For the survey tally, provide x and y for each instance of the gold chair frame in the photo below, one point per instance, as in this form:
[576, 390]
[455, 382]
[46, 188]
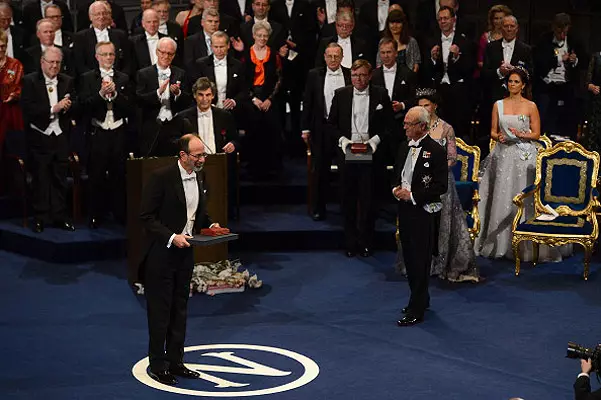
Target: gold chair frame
[586, 241]
[475, 150]
[543, 138]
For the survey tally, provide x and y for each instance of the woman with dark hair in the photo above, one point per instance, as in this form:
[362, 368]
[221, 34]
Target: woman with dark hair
[397, 28]
[455, 259]
[508, 169]
[263, 69]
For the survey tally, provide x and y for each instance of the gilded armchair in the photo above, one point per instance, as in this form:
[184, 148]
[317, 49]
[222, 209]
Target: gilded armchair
[566, 178]
[542, 143]
[465, 172]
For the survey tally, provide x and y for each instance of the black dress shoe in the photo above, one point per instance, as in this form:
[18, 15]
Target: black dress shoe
[366, 252]
[38, 227]
[94, 223]
[318, 216]
[65, 226]
[163, 377]
[410, 320]
[351, 253]
[181, 370]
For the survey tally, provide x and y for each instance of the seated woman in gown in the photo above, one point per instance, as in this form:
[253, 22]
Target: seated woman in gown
[509, 169]
[455, 258]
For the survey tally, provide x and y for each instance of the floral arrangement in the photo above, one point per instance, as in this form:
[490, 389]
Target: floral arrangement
[222, 277]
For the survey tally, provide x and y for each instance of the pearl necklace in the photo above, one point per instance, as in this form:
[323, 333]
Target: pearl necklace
[435, 124]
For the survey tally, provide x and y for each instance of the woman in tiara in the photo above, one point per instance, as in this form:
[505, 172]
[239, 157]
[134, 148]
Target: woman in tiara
[455, 258]
[510, 168]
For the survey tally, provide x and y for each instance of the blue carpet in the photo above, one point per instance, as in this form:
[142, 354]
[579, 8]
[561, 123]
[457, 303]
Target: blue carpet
[75, 331]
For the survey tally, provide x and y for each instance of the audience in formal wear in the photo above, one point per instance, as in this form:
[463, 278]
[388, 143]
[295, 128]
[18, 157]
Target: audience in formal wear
[361, 113]
[408, 52]
[47, 100]
[322, 82]
[116, 18]
[227, 23]
[354, 47]
[241, 10]
[105, 97]
[144, 45]
[494, 31]
[183, 17]
[15, 35]
[45, 37]
[372, 16]
[136, 21]
[166, 26]
[198, 45]
[35, 11]
[62, 38]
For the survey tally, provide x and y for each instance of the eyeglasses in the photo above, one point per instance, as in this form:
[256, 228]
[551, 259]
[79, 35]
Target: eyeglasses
[106, 54]
[52, 62]
[262, 36]
[166, 53]
[333, 56]
[197, 156]
[410, 124]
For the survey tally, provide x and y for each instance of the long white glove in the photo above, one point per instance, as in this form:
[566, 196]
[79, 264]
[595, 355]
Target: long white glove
[344, 143]
[373, 143]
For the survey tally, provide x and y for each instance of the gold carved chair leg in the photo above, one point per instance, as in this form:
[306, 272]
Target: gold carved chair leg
[515, 245]
[588, 251]
[535, 254]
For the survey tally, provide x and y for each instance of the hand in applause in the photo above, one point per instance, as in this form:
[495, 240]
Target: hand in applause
[237, 44]
[181, 241]
[283, 51]
[397, 106]
[163, 86]
[505, 68]
[573, 57]
[321, 15]
[175, 89]
[229, 148]
[435, 52]
[454, 49]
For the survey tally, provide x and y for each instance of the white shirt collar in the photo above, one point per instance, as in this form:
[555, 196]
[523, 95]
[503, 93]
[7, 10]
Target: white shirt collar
[361, 93]
[505, 43]
[153, 37]
[393, 68]
[216, 61]
[417, 142]
[208, 112]
[344, 40]
[99, 32]
[183, 173]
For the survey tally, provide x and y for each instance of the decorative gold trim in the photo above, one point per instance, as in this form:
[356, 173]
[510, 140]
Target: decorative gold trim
[581, 182]
[464, 160]
[474, 231]
[475, 150]
[534, 221]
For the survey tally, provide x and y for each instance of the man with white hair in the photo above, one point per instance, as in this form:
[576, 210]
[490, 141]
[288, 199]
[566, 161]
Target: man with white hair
[420, 180]
[161, 93]
[16, 35]
[84, 43]
[144, 45]
[45, 33]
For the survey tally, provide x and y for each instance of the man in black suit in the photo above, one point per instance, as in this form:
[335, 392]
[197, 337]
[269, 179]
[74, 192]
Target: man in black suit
[232, 8]
[217, 130]
[427, 15]
[84, 42]
[558, 59]
[33, 12]
[373, 15]
[227, 23]
[44, 38]
[420, 180]
[198, 45]
[161, 90]
[16, 35]
[144, 45]
[322, 82]
[47, 98]
[62, 38]
[499, 59]
[106, 96]
[260, 8]
[136, 21]
[172, 209]
[116, 20]
[449, 69]
[582, 386]
[361, 113]
[167, 27]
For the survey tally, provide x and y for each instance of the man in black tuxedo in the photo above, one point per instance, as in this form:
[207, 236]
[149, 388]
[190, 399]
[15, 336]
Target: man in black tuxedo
[499, 59]
[558, 59]
[232, 8]
[198, 45]
[161, 90]
[427, 15]
[173, 208]
[217, 130]
[227, 23]
[62, 38]
[47, 100]
[169, 28]
[84, 42]
[322, 82]
[144, 45]
[420, 180]
[16, 35]
[260, 8]
[449, 69]
[361, 113]
[117, 17]
[582, 386]
[106, 96]
[44, 38]
[373, 15]
[136, 21]
[33, 12]
[353, 46]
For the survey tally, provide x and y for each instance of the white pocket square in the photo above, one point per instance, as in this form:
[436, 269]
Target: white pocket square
[379, 107]
[403, 83]
[235, 75]
[360, 55]
[427, 165]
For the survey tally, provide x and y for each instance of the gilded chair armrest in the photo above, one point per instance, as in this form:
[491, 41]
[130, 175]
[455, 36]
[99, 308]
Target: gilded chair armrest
[475, 230]
[518, 200]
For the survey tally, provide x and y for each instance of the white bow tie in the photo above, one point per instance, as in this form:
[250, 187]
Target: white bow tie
[389, 71]
[45, 3]
[338, 72]
[51, 82]
[165, 74]
[358, 93]
[204, 114]
[220, 63]
[506, 44]
[191, 177]
[152, 38]
[289, 2]
[446, 39]
[106, 73]
[413, 143]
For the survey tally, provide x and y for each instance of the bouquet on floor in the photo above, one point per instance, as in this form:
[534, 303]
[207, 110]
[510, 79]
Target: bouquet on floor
[222, 277]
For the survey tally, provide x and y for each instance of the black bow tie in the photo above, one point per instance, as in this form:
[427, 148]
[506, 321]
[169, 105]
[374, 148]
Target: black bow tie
[414, 146]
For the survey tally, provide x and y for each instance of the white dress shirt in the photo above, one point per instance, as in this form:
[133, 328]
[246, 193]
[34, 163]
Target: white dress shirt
[360, 115]
[152, 42]
[102, 35]
[437, 8]
[508, 48]
[58, 38]
[9, 47]
[220, 80]
[331, 7]
[347, 51]
[192, 198]
[558, 74]
[334, 80]
[52, 90]
[382, 13]
[289, 5]
[447, 42]
[389, 75]
[242, 6]
[165, 111]
[109, 123]
[163, 28]
[206, 130]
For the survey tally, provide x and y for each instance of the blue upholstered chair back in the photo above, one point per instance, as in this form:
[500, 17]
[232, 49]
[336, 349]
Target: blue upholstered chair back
[567, 174]
[468, 162]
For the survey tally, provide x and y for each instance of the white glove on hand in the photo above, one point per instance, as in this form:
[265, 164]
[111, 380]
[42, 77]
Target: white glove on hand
[344, 143]
[373, 143]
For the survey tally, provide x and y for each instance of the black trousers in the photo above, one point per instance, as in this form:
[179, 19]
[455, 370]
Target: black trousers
[106, 171]
[263, 141]
[167, 287]
[322, 152]
[49, 161]
[294, 76]
[417, 229]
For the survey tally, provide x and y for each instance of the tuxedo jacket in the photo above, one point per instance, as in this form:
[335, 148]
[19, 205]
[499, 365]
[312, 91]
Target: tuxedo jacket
[368, 17]
[380, 114]
[224, 126]
[36, 104]
[314, 101]
[19, 39]
[175, 32]
[84, 50]
[430, 174]
[139, 51]
[163, 208]
[403, 88]
[276, 40]
[493, 57]
[227, 24]
[117, 12]
[135, 24]
[460, 70]
[236, 88]
[67, 40]
[32, 55]
[301, 26]
[95, 106]
[359, 48]
[32, 13]
[582, 390]
[195, 47]
[232, 9]
[147, 84]
[545, 59]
